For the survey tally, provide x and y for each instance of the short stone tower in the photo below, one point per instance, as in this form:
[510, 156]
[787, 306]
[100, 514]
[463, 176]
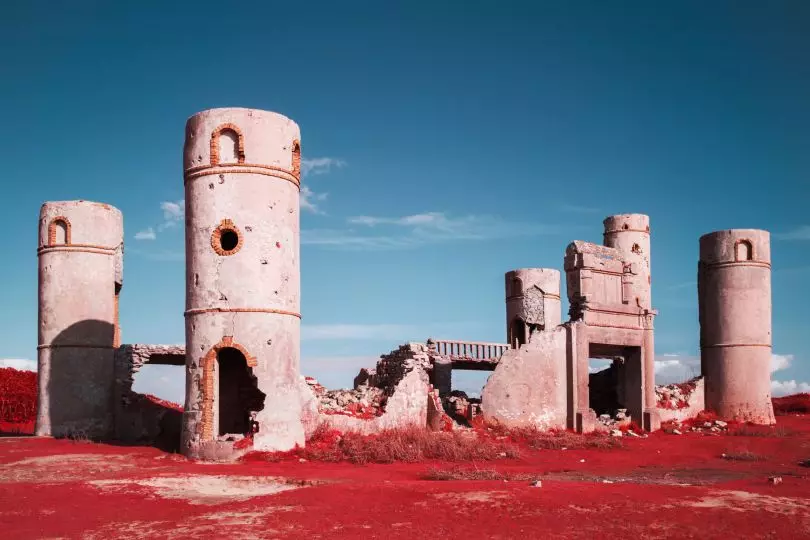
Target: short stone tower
[242, 172]
[532, 303]
[734, 298]
[630, 234]
[80, 254]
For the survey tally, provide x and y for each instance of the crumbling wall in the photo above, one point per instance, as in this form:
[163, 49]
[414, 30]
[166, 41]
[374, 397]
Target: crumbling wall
[139, 418]
[679, 402]
[392, 367]
[528, 388]
[407, 406]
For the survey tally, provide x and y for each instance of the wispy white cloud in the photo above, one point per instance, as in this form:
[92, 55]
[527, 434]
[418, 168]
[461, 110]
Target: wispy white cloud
[356, 331]
[173, 214]
[21, 364]
[799, 233]
[675, 368]
[320, 165]
[374, 232]
[146, 234]
[310, 200]
[786, 388]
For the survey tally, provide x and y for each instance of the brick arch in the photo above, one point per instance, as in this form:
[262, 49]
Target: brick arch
[749, 246]
[296, 158]
[207, 414]
[52, 230]
[240, 150]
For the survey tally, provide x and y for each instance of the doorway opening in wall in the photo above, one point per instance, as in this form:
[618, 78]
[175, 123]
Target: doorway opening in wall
[239, 397]
[463, 403]
[615, 388]
[517, 333]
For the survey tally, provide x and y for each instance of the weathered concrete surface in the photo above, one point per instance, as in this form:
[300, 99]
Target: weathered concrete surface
[528, 388]
[79, 251]
[532, 303]
[734, 297]
[407, 406]
[243, 277]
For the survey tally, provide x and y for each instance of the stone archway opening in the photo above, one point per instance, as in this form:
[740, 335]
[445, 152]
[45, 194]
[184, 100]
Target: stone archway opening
[239, 396]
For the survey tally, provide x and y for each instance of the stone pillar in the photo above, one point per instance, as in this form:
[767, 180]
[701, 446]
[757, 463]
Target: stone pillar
[734, 287]
[80, 260]
[533, 297]
[630, 234]
[242, 180]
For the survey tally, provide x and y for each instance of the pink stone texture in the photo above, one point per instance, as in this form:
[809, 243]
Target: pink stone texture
[734, 294]
[532, 303]
[611, 316]
[80, 271]
[528, 388]
[243, 294]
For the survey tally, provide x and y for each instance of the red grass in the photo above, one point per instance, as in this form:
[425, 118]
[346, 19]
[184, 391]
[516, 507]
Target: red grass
[408, 445]
[18, 396]
[797, 403]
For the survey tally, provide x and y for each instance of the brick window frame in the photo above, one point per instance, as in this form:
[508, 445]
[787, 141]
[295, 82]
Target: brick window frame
[207, 389]
[52, 230]
[240, 146]
[226, 225]
[296, 158]
[748, 244]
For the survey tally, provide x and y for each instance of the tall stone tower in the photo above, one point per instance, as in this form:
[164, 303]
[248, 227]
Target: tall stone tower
[80, 256]
[734, 306]
[532, 303]
[242, 178]
[630, 234]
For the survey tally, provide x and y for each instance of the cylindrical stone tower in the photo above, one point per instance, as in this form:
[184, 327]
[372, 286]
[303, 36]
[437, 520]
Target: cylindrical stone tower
[80, 256]
[630, 234]
[532, 303]
[734, 296]
[242, 180]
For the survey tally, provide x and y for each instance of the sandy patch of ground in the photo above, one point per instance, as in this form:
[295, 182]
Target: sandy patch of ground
[63, 468]
[207, 489]
[745, 501]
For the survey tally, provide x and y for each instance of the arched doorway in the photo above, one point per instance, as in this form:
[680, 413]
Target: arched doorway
[239, 396]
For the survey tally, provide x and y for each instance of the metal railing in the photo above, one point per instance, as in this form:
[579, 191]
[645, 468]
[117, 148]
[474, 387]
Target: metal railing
[473, 350]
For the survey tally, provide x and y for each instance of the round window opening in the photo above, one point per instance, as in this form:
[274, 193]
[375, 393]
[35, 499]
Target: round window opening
[226, 239]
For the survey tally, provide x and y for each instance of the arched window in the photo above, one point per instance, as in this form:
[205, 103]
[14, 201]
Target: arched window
[59, 231]
[636, 249]
[744, 250]
[296, 158]
[227, 145]
[517, 287]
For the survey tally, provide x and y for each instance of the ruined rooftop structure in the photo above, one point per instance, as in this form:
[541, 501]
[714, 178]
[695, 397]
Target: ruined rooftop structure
[244, 388]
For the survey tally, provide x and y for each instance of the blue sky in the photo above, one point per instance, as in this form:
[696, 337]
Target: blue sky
[447, 143]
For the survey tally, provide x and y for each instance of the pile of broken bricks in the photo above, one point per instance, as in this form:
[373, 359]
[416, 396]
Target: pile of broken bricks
[361, 402]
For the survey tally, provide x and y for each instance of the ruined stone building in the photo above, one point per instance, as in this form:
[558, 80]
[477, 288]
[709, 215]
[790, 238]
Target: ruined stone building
[244, 390]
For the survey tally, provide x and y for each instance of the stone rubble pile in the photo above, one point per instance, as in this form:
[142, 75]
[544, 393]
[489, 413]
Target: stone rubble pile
[362, 402]
[460, 407]
[709, 426]
[615, 421]
[674, 396]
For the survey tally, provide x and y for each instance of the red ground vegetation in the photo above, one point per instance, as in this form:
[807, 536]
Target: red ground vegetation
[661, 486]
[18, 395]
[795, 404]
[409, 445]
